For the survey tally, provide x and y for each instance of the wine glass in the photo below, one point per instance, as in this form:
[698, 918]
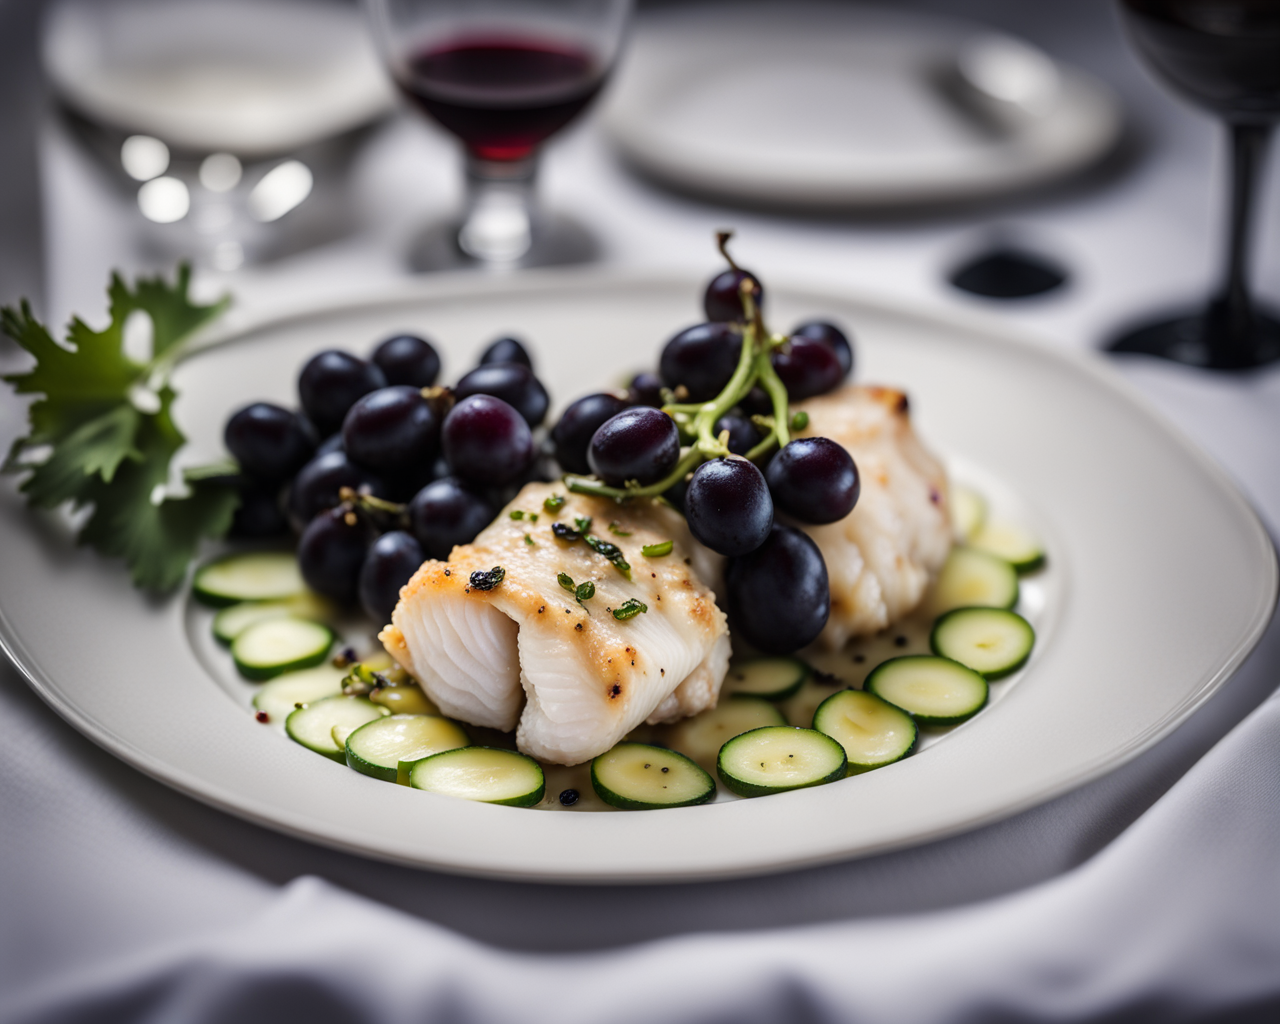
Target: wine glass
[503, 76]
[1223, 55]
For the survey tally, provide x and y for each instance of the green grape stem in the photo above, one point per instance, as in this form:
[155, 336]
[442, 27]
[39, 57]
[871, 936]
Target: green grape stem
[697, 420]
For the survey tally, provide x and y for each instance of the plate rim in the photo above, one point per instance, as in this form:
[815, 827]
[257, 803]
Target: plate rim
[463, 287]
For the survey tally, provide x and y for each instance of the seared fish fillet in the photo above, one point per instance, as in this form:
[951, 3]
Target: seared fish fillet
[575, 678]
[882, 556]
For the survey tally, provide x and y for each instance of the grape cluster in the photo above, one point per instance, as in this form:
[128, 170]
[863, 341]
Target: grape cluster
[381, 469]
[711, 433]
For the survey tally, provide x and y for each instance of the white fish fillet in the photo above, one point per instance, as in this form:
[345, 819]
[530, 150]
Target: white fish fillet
[883, 555]
[574, 678]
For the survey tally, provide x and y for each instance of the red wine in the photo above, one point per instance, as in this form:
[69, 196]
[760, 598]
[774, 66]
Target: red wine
[502, 97]
[1221, 54]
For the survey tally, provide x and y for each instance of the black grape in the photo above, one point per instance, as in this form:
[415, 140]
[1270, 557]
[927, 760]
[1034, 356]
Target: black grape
[392, 559]
[330, 384]
[269, 442]
[407, 359]
[814, 480]
[514, 383]
[778, 595]
[392, 430]
[756, 402]
[331, 552]
[728, 506]
[578, 424]
[317, 485]
[723, 300]
[702, 358]
[807, 368]
[332, 443]
[639, 444]
[645, 389]
[506, 350]
[743, 435]
[830, 335]
[486, 440]
[259, 513]
[448, 512]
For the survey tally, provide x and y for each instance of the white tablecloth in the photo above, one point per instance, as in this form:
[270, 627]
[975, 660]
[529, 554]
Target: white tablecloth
[1153, 893]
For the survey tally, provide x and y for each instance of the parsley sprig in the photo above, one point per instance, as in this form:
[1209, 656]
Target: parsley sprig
[101, 433]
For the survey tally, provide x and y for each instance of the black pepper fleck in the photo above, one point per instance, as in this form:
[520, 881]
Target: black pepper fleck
[857, 658]
[578, 627]
[899, 641]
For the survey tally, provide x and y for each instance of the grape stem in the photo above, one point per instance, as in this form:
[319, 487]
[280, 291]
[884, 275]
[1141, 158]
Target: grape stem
[698, 419]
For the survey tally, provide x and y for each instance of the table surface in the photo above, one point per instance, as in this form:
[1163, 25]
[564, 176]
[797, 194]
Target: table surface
[1152, 889]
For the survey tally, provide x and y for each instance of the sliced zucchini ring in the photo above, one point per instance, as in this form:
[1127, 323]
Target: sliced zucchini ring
[280, 697]
[378, 748]
[1014, 544]
[257, 576]
[872, 731]
[968, 512]
[276, 646]
[312, 725]
[230, 622]
[638, 777]
[974, 578]
[404, 700]
[702, 736]
[777, 758]
[487, 774]
[992, 641]
[932, 690]
[771, 678]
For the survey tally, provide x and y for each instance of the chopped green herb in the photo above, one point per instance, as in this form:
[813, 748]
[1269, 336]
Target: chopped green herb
[583, 523]
[566, 581]
[529, 540]
[629, 609]
[533, 517]
[617, 530]
[565, 533]
[554, 503]
[481, 580]
[799, 421]
[657, 550]
[610, 551]
[517, 514]
[585, 591]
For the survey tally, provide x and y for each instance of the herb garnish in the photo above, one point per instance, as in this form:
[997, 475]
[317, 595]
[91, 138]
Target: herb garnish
[565, 533]
[516, 514]
[102, 432]
[554, 503]
[529, 540]
[581, 591]
[663, 547]
[629, 609]
[616, 529]
[481, 580]
[610, 551]
[583, 523]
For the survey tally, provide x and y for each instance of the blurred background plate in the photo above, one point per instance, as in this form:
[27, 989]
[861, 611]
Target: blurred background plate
[816, 105]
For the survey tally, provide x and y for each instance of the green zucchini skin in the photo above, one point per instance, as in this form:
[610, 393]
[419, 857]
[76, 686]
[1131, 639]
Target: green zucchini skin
[830, 754]
[312, 724]
[296, 656]
[252, 576]
[420, 737]
[773, 678]
[948, 639]
[831, 718]
[884, 678]
[636, 794]
[422, 772]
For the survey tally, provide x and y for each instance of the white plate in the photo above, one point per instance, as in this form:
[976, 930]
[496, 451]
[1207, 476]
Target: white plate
[812, 105]
[1168, 580]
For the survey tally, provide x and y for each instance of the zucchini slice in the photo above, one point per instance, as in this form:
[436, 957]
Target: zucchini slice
[312, 725]
[974, 578]
[1014, 544]
[257, 576]
[780, 757]
[638, 777]
[702, 736]
[380, 747]
[968, 512]
[276, 646]
[771, 678]
[872, 731]
[932, 690]
[487, 774]
[992, 641]
[404, 700]
[231, 621]
[280, 697]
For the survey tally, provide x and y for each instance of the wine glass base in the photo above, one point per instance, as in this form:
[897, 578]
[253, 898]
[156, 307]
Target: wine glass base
[558, 240]
[1187, 340]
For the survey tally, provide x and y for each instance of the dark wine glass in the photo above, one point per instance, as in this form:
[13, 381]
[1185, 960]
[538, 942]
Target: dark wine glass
[1223, 55]
[502, 76]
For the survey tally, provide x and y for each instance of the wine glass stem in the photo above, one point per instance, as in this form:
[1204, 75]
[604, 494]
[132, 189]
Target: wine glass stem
[498, 223]
[1231, 315]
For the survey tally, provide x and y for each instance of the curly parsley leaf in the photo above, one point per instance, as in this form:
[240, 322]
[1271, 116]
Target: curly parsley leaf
[102, 434]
